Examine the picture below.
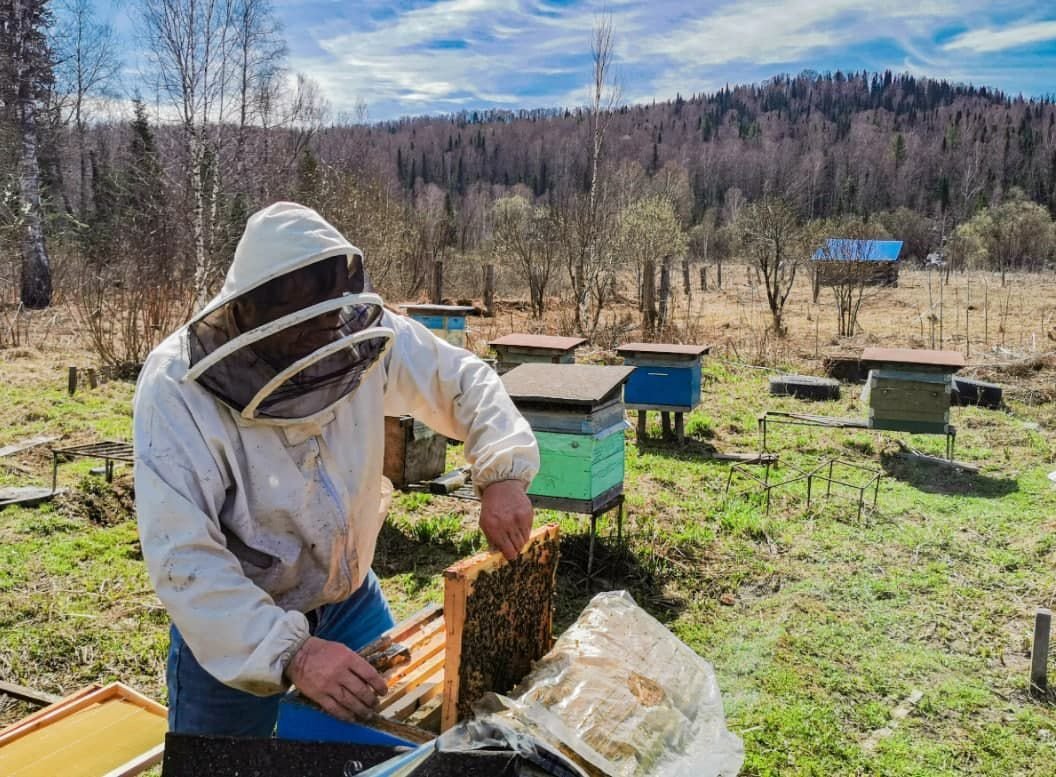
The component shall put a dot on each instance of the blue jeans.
(201, 704)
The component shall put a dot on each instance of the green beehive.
(916, 402)
(910, 390)
(577, 414)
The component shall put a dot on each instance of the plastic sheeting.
(628, 698)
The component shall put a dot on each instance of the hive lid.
(440, 310)
(951, 360)
(564, 384)
(539, 341)
(667, 349)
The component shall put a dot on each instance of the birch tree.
(189, 47)
(25, 84)
(87, 67)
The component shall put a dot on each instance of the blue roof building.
(839, 257)
(839, 249)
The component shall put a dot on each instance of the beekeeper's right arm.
(234, 628)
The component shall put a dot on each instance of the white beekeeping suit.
(259, 485)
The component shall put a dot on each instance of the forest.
(125, 196)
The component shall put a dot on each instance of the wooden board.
(670, 349)
(98, 732)
(27, 496)
(947, 361)
(17, 691)
(582, 385)
(498, 618)
(538, 342)
(25, 445)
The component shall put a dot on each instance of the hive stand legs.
(641, 426)
(665, 422)
(680, 428)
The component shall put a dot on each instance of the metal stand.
(109, 452)
(825, 471)
(829, 422)
(764, 485)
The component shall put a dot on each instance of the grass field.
(893, 644)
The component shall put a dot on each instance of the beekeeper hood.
(294, 328)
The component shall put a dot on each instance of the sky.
(414, 57)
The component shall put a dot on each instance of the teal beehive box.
(577, 414)
(448, 322)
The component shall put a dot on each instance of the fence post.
(438, 282)
(489, 290)
(648, 296)
(665, 290)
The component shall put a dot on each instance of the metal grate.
(108, 450)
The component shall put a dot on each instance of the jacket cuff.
(524, 472)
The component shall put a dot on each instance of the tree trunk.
(438, 282)
(685, 276)
(201, 257)
(648, 296)
(718, 274)
(489, 290)
(703, 278)
(36, 266)
(665, 291)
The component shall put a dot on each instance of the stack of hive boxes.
(909, 390)
(577, 414)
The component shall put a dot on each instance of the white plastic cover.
(628, 698)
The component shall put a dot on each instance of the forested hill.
(834, 143)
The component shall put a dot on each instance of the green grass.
(820, 625)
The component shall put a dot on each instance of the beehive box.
(666, 376)
(414, 453)
(577, 414)
(915, 402)
(448, 322)
(515, 349)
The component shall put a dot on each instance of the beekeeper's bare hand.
(506, 516)
(336, 678)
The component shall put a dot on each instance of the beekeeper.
(259, 434)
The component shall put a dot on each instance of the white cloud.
(987, 40)
(662, 46)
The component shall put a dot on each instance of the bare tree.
(586, 266)
(775, 241)
(849, 267)
(527, 235)
(259, 57)
(86, 51)
(189, 46)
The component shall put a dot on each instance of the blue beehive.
(665, 377)
(448, 322)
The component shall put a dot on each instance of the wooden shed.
(577, 414)
(448, 322)
(514, 349)
(875, 262)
